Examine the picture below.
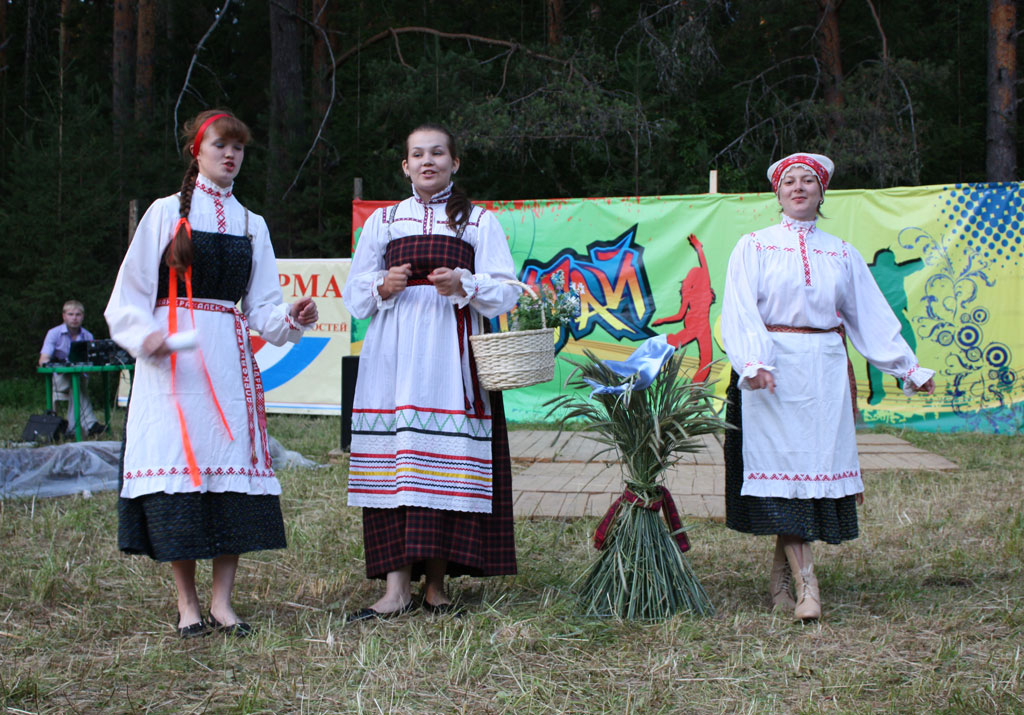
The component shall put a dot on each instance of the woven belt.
(252, 386)
(849, 365)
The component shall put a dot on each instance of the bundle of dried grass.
(642, 572)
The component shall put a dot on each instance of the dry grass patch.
(923, 613)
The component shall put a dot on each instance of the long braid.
(179, 255)
(459, 208)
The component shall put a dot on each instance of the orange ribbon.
(172, 328)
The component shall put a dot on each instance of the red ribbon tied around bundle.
(663, 502)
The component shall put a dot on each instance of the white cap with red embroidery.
(820, 164)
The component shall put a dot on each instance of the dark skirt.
(473, 544)
(829, 520)
(197, 525)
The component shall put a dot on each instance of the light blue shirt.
(57, 343)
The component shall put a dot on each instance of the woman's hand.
(304, 312)
(153, 346)
(395, 281)
(928, 387)
(447, 281)
(763, 379)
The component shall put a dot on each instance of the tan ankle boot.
(808, 600)
(781, 580)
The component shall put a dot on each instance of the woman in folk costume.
(429, 461)
(197, 477)
(791, 290)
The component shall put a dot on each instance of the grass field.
(923, 613)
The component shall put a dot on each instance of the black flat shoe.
(368, 613)
(241, 629)
(194, 630)
(443, 609)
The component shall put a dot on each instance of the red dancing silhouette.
(696, 297)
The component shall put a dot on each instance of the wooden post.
(357, 188)
(713, 182)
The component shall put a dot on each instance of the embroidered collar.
(439, 198)
(208, 187)
(793, 225)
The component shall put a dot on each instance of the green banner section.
(948, 259)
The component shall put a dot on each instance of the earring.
(820, 202)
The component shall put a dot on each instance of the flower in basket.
(525, 354)
(560, 305)
(648, 411)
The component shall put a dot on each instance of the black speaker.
(44, 428)
(349, 373)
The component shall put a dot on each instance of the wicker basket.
(519, 358)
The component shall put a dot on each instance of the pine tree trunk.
(122, 62)
(321, 60)
(1001, 140)
(65, 42)
(831, 61)
(285, 107)
(4, 71)
(30, 47)
(322, 71)
(3, 38)
(556, 11)
(144, 60)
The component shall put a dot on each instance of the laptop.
(79, 351)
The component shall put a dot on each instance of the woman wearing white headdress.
(791, 292)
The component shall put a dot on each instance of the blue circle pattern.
(997, 355)
(989, 216)
(968, 335)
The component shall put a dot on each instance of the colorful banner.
(948, 259)
(304, 377)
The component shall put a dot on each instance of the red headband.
(807, 161)
(202, 130)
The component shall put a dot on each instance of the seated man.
(56, 347)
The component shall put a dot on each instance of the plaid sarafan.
(425, 253)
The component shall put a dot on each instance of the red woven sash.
(252, 383)
(664, 502)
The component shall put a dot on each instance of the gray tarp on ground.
(76, 467)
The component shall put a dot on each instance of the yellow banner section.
(305, 378)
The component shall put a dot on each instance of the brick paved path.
(556, 480)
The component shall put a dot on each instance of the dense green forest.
(550, 98)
